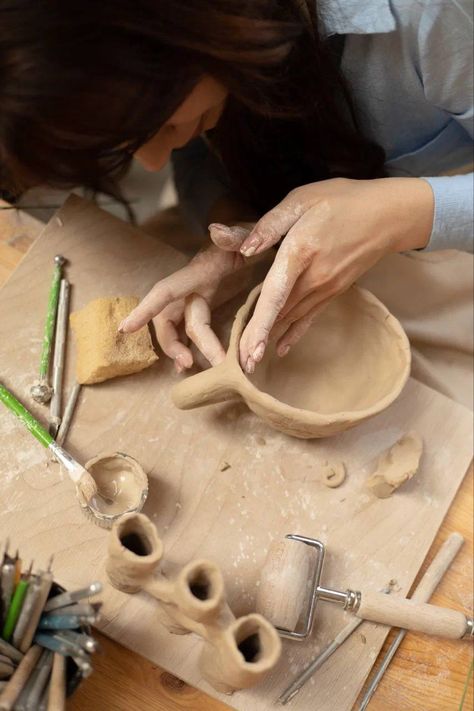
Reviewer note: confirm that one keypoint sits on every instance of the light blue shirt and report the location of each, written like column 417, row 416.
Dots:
column 410, row 67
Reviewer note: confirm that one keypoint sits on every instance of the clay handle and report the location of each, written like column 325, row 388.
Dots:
column 412, row 615
column 209, row 387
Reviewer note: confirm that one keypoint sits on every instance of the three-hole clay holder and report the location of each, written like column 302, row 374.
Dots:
column 237, row 653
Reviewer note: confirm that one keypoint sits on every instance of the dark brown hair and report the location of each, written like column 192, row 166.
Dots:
column 84, row 83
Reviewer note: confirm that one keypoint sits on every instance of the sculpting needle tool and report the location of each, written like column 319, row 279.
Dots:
column 423, row 592
column 42, row 391
column 58, row 358
column 318, row 662
column 68, row 414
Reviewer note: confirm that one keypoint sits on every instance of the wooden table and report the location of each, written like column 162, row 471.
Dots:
column 426, row 674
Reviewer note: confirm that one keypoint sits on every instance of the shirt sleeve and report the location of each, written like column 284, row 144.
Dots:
column 200, row 180
column 445, row 63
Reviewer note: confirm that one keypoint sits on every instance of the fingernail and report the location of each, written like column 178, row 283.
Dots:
column 250, row 366
column 249, row 251
column 121, row 326
column 259, row 352
column 178, row 367
column 283, row 351
column 218, row 226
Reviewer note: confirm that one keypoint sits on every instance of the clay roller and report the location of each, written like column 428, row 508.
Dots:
column 282, row 594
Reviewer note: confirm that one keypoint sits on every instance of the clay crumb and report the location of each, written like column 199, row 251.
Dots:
column 363, row 639
column 225, row 466
column 334, row 474
column 397, row 465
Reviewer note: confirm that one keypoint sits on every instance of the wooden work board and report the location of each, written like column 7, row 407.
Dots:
column 222, row 483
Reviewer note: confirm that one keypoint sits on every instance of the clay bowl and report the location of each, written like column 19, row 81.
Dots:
column 352, row 364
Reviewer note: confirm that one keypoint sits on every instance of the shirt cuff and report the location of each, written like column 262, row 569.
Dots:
column 453, row 223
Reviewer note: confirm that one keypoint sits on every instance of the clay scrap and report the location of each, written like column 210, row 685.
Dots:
column 396, row 466
column 333, row 474
column 103, row 352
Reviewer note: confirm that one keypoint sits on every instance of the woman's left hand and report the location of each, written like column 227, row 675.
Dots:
column 333, row 231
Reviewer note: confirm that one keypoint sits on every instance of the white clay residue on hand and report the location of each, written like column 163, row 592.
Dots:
column 396, row 466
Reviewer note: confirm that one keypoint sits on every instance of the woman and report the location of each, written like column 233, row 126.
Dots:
column 326, row 122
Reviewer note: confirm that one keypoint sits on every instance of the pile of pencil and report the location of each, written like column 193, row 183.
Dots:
column 44, row 634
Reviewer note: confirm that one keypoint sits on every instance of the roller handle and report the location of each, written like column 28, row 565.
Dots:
column 412, row 615
column 209, row 387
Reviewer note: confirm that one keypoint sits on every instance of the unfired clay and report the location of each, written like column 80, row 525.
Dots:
column 122, row 485
column 103, row 352
column 236, row 653
column 396, row 466
column 352, row 364
column 333, row 474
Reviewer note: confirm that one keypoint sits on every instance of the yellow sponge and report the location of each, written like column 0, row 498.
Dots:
column 103, row 352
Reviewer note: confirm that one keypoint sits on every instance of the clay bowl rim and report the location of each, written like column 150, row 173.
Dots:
column 246, row 389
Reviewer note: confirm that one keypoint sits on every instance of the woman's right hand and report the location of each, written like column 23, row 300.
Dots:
column 185, row 297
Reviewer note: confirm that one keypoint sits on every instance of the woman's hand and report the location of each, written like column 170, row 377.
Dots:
column 333, row 231
column 185, row 298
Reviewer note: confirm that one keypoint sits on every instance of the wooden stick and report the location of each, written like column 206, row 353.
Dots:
column 19, row 678
column 68, row 414
column 423, row 592
column 57, row 687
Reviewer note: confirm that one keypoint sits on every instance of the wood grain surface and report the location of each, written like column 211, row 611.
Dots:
column 426, row 673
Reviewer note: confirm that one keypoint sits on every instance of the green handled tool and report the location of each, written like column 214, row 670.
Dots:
column 41, row 391
column 76, row 471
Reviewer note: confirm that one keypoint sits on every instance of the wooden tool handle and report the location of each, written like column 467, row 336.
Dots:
column 209, row 387
column 412, row 615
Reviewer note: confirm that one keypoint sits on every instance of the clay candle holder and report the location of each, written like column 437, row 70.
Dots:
column 237, row 653
column 353, row 362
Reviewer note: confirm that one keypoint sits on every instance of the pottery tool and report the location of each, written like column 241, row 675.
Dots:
column 45, row 583
column 6, row 667
column 81, row 609
column 8, row 650
column 21, row 675
column 31, row 600
column 7, row 580
column 68, row 414
column 423, row 592
column 85, row 484
column 57, row 686
column 15, row 606
column 36, row 690
column 79, row 639
column 69, row 598
column 370, row 605
column 58, row 358
column 65, row 622
column 322, row 658
column 42, row 390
